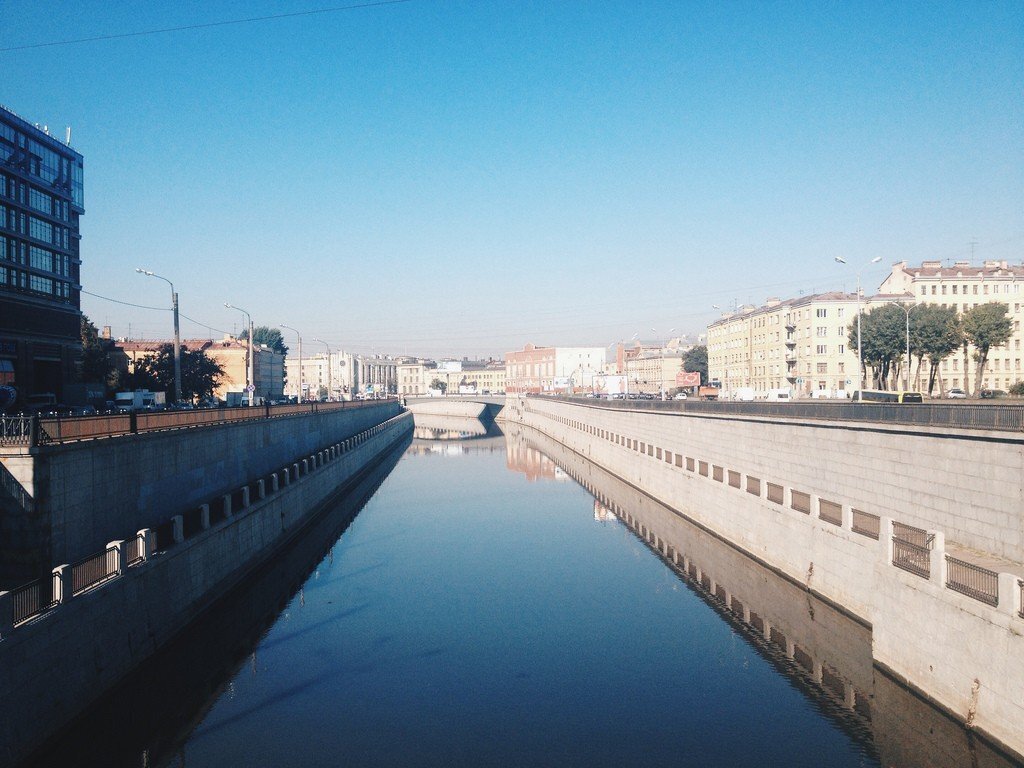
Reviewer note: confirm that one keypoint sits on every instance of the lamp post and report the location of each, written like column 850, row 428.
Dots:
column 860, row 348
column 177, row 335
column 299, row 335
column 250, row 382
column 906, row 309
column 330, row 390
column 661, row 353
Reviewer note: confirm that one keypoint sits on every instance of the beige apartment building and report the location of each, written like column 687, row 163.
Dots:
column 798, row 344
column 963, row 286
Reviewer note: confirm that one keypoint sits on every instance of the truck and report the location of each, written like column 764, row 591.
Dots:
column 708, row 393
column 138, row 399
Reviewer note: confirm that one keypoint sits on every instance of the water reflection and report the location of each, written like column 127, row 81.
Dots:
column 824, row 652
column 146, row 718
column 431, row 426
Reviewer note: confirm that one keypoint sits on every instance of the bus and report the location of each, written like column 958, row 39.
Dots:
column 886, row 396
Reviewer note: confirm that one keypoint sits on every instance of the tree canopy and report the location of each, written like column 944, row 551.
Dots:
column 696, row 360
column 884, row 338
column 96, row 366
column 267, row 336
column 934, row 334
column 985, row 326
column 200, row 375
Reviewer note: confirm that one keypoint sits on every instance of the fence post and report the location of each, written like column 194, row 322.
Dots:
column 63, row 589
column 295, row 470
column 885, row 538
column 178, row 529
column 261, row 488
column 245, row 497
column 305, row 466
column 227, row 505
column 204, row 516
column 146, row 534
column 847, row 515
column 33, row 431
column 287, row 476
column 937, row 559
column 274, row 483
column 6, row 614
column 117, row 547
column 1009, row 592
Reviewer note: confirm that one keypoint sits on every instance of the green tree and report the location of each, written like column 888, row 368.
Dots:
column 934, row 333
column 986, row 326
column 696, row 360
column 268, row 337
column 438, row 384
column 883, row 333
column 200, row 375
column 96, row 365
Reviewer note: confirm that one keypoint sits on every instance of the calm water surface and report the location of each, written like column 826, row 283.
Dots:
column 477, row 613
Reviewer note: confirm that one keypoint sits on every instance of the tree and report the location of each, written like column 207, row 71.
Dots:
column 985, row 326
column 96, row 365
column 438, row 384
column 935, row 334
column 199, row 374
column 883, row 334
column 696, row 360
column 267, row 336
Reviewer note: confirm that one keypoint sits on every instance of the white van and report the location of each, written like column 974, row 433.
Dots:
column 778, row 396
column 745, row 394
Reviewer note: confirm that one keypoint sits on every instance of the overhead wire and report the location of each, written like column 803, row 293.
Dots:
column 207, row 25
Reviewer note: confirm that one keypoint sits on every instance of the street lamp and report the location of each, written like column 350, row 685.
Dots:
column 300, row 357
column 860, row 349
column 177, row 336
column 906, row 309
column 330, row 390
column 250, row 383
column 661, row 372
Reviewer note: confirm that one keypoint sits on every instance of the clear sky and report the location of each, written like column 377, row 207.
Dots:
column 440, row 177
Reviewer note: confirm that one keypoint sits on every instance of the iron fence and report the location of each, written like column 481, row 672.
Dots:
column 866, row 524
column 972, row 580
column 133, row 551
column 830, row 512
column 910, row 534
column 911, row 557
column 18, row 430
column 93, row 570
column 30, row 600
column 1001, row 417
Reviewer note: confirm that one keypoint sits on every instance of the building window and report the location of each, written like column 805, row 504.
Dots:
column 822, row 367
column 822, row 349
column 821, row 312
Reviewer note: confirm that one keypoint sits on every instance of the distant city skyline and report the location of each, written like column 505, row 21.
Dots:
column 461, row 179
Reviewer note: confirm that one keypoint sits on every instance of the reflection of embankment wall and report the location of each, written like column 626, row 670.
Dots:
column 828, row 651
column 52, row 667
column 94, row 491
column 746, row 481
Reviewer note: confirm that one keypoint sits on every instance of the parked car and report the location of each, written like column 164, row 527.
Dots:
column 680, row 396
column 988, row 394
column 956, row 394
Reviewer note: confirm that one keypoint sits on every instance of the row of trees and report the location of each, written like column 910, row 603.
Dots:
column 936, row 333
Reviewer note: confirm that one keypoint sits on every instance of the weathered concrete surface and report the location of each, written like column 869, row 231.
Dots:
column 442, row 407
column 91, row 492
column 53, row 667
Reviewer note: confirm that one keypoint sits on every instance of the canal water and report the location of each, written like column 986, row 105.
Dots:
column 484, row 608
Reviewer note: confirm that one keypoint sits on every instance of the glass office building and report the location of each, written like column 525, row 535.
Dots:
column 40, row 309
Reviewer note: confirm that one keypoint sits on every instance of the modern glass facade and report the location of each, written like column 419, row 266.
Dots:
column 41, row 200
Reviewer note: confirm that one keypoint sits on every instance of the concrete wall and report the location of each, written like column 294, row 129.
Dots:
column 653, row 451
column 54, row 666
column 90, row 492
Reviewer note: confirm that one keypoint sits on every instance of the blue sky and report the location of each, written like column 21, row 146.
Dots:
column 462, row 178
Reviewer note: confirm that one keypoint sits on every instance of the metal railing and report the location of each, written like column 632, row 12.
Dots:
column 972, row 580
column 910, row 534
column 93, row 570
column 800, row 501
column 866, row 524
column 1002, row 417
column 776, row 493
column 31, row 599
column 830, row 512
column 18, row 430
column 911, row 557
column 133, row 552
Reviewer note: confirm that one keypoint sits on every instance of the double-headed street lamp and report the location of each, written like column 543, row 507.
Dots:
column 299, row 335
column 860, row 348
column 177, row 336
column 330, row 391
column 250, row 384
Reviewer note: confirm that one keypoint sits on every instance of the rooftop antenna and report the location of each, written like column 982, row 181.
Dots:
column 67, row 135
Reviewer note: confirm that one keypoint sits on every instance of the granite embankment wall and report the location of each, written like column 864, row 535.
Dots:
column 87, row 493
column 816, row 502
column 53, row 666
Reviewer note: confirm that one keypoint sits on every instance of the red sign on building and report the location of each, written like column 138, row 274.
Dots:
column 688, row 379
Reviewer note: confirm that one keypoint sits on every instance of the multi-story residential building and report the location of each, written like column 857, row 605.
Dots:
column 964, row 286
column 323, row 376
column 414, row 376
column 41, row 201
column 552, row 369
column 799, row 344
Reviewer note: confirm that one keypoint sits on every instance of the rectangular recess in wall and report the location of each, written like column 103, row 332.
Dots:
column 718, row 473
column 658, row 456
column 650, row 450
column 734, row 478
column 643, row 447
column 801, row 502
column 668, row 457
column 689, row 463
column 830, row 512
column 776, row 493
column 704, row 468
column 753, row 485
column 679, row 460
column 865, row 524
